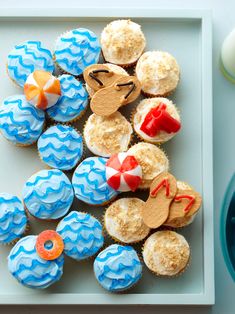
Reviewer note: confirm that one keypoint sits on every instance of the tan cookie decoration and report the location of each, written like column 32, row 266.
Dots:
column 162, row 191
column 184, row 205
column 109, row 99
column 99, row 76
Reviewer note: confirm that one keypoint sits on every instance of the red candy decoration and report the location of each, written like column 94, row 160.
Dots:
column 123, row 172
column 163, row 183
column 158, row 119
column 191, row 199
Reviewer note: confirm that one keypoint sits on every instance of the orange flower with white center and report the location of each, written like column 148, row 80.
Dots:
column 42, row 89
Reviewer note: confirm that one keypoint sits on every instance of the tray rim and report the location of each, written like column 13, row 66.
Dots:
column 208, row 295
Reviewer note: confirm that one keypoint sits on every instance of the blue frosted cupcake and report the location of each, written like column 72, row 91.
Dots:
column 20, row 122
column 29, row 268
column 73, row 101
column 117, row 268
column 76, row 49
column 48, row 194
column 26, row 58
column 89, row 182
column 61, row 147
column 13, row 219
column 82, row 235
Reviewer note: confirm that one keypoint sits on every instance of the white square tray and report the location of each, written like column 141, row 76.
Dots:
column 187, row 35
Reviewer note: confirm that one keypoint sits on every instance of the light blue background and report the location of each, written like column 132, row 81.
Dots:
column 224, row 151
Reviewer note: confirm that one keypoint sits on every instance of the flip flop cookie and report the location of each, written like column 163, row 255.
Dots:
column 162, row 191
column 109, row 99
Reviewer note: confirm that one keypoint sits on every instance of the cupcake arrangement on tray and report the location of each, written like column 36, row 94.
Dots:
column 44, row 114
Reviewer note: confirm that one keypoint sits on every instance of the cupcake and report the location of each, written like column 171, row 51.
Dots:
column 42, row 89
column 185, row 206
column 89, row 182
column 32, row 271
column 48, row 194
column 152, row 160
column 112, row 67
column 75, row 50
column 82, row 235
column 13, row 220
column 61, row 147
column 117, row 268
column 122, row 42
column 156, row 120
column 20, row 122
column 123, row 220
column 166, row 253
column 73, row 101
column 105, row 136
column 26, row 58
column 158, row 73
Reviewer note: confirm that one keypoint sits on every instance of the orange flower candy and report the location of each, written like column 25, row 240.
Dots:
column 42, row 89
column 49, row 245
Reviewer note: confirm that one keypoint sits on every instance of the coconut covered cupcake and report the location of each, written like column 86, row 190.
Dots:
column 152, row 160
column 105, row 136
column 122, row 42
column 184, row 207
column 156, row 120
column 112, row 67
column 158, row 72
column 166, row 253
column 123, row 220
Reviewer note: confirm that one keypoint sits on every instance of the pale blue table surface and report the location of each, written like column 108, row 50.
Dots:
column 224, row 152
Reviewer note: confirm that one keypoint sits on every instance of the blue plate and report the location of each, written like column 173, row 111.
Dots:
column 227, row 227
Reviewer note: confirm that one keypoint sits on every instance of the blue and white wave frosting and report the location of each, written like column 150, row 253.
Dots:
column 77, row 49
column 20, row 122
column 117, row 268
column 29, row 268
column 89, row 182
column 60, row 146
column 73, row 101
column 13, row 220
column 82, row 235
column 48, row 194
column 27, row 57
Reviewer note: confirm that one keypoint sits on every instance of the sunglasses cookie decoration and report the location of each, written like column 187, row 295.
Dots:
column 109, row 85
column 169, row 204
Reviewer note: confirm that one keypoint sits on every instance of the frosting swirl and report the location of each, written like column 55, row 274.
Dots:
column 48, row 194
column 117, row 268
column 13, row 220
column 29, row 268
column 20, row 122
column 82, row 235
column 73, row 101
column 77, row 49
column 27, row 57
column 89, row 182
column 60, row 146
